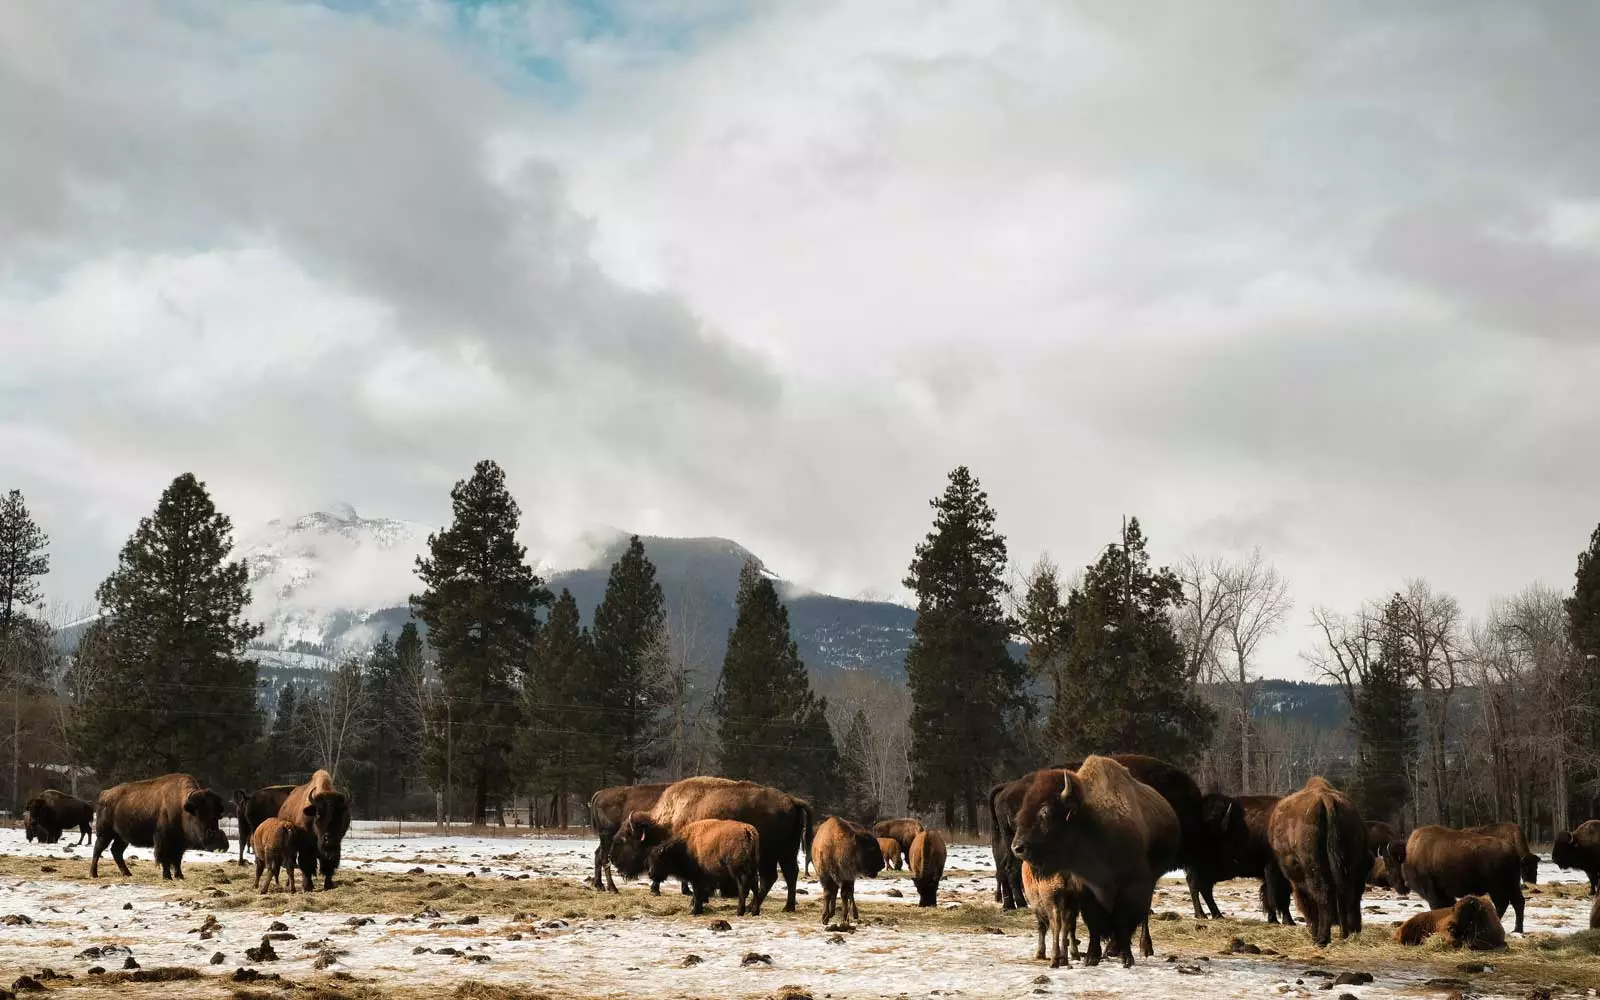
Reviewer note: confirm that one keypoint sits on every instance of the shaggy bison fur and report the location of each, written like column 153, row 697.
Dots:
column 320, row 816
column 1471, row 923
column 926, row 861
column 272, row 842
column 843, row 852
column 1054, row 901
column 1443, row 865
column 608, row 808
column 707, row 852
column 1511, row 833
column 50, row 812
column 171, row 814
column 1321, row 845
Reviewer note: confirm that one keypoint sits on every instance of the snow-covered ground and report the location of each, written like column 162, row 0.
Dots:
column 641, row 956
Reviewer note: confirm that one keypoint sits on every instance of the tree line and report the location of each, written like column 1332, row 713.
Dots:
column 509, row 696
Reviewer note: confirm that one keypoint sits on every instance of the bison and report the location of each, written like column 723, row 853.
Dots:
column 1511, row 833
column 782, row 821
column 1255, row 860
column 272, row 842
column 926, row 861
column 172, row 814
column 707, row 852
column 843, row 851
column 1471, row 923
column 1321, row 844
column 1054, row 901
column 1443, row 865
column 50, row 812
column 1580, row 849
column 893, row 857
column 608, row 808
column 254, row 808
column 320, row 816
column 1115, row 833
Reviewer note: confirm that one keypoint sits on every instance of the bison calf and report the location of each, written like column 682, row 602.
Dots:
column 926, row 859
column 272, row 842
column 708, row 851
column 253, row 808
column 1054, row 901
column 843, row 851
column 1471, row 923
column 890, row 848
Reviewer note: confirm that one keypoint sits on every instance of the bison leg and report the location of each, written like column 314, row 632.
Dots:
column 791, row 878
column 100, row 844
column 701, row 891
column 1196, row 885
column 1041, row 924
column 601, row 868
column 850, row 901
column 261, row 866
column 308, row 869
column 85, row 832
column 1069, row 920
column 328, row 868
column 830, row 892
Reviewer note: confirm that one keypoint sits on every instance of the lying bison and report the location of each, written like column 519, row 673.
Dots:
column 706, row 853
column 1511, row 833
column 782, row 821
column 50, row 812
column 1321, row 845
column 843, row 852
column 1054, row 901
column 1580, row 849
column 1470, row 923
column 1443, row 865
column 608, row 808
column 320, row 817
column 254, row 808
column 171, row 814
column 1112, row 831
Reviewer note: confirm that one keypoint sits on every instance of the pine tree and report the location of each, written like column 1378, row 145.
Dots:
column 557, row 748
column 630, row 668
column 1583, row 607
column 860, row 798
column 408, row 722
column 966, row 689
column 481, row 607
column 174, row 691
column 24, row 637
column 772, row 726
column 1384, row 720
column 286, row 762
column 1125, row 664
column 380, row 756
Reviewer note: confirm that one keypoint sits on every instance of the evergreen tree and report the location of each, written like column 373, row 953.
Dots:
column 1125, row 664
column 1583, row 632
column 481, row 606
column 966, row 690
column 629, row 678
column 408, row 723
column 286, row 762
column 558, row 750
column 174, row 691
column 1384, row 720
column 24, row 637
column 383, row 756
column 772, row 726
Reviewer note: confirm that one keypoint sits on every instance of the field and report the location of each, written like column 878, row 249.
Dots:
column 506, row 918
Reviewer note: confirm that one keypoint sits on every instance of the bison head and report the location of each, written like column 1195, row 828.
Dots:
column 630, row 849
column 1563, row 851
column 1530, row 869
column 202, row 811
column 329, row 814
column 1051, row 822
column 1393, row 854
column 1222, row 824
column 240, row 799
column 869, row 855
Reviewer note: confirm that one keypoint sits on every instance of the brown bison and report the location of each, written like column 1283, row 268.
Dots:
column 1511, row 833
column 1443, row 865
column 272, row 842
column 707, row 852
column 901, row 831
column 1256, row 860
column 893, row 857
column 1471, row 923
column 607, row 809
column 1115, row 833
column 782, row 821
column 926, row 861
column 171, row 814
column 1054, row 901
column 843, row 852
column 1321, row 845
column 320, row 816
column 1580, row 849
column 253, row 808
column 1215, row 837
column 50, row 812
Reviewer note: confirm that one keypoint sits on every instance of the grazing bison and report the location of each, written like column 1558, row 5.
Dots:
column 1054, row 901
column 1115, row 833
column 706, row 852
column 893, row 857
column 50, row 812
column 608, row 808
column 1321, row 845
column 1444, row 864
column 926, row 861
column 1580, row 849
column 1471, row 923
column 843, row 851
column 171, row 814
column 320, row 816
column 1511, row 833
column 1255, row 860
column 782, row 821
column 272, row 842
column 255, row 808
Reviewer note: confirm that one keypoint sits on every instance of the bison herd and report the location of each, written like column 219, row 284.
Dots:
column 1090, row 838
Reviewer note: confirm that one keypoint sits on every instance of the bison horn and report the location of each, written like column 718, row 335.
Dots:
column 1067, row 790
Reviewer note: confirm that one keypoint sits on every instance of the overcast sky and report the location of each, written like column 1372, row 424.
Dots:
column 1322, row 278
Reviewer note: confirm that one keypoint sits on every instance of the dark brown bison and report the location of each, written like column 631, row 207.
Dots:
column 172, row 814
column 843, row 852
column 254, row 808
column 1054, row 901
column 320, row 816
column 608, row 808
column 782, row 821
column 50, row 812
column 707, row 852
column 1443, row 865
column 901, row 831
column 926, row 861
column 1256, row 860
column 1511, row 833
column 1471, row 923
column 1321, row 845
column 1115, row 833
column 272, row 842
column 889, row 847
column 1580, row 849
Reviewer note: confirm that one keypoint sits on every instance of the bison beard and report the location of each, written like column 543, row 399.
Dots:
column 171, row 814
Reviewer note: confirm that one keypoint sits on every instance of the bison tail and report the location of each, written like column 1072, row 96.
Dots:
column 994, row 812
column 803, row 812
column 1339, row 869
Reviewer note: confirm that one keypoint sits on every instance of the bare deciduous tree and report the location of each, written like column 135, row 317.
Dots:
column 336, row 719
column 1256, row 606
